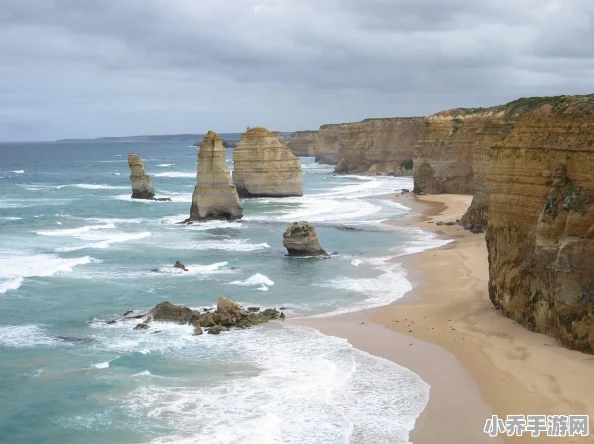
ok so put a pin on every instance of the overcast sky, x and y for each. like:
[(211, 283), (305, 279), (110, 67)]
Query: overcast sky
[(89, 68)]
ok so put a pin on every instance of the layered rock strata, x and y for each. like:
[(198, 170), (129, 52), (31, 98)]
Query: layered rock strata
[(264, 167), (300, 239), (540, 234), (303, 143), (328, 143), (142, 186), (214, 196), (379, 146)]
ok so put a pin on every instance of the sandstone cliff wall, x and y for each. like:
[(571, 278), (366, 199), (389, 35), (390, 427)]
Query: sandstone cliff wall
[(540, 235), (214, 197), (379, 146), (327, 144), (264, 167), (303, 143)]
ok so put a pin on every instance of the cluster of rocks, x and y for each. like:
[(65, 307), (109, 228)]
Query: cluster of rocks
[(228, 314), (476, 229)]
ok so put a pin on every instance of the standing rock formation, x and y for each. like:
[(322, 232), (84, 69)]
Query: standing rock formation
[(300, 239), (327, 144), (214, 197), (303, 143), (264, 167), (142, 187), (540, 235), (379, 146)]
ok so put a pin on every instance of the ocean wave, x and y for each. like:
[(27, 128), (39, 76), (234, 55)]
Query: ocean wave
[(90, 186), (165, 164), (256, 279), (200, 226), (228, 245), (14, 267), (18, 171), (104, 365), (175, 174), (215, 268), (26, 336), (422, 240), (302, 387), (104, 241), (9, 218), (175, 197), (74, 231)]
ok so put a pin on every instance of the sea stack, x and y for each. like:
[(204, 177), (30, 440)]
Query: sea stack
[(214, 197), (264, 167), (301, 239), (142, 187)]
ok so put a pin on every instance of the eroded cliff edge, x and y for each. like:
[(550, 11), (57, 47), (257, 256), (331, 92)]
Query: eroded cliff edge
[(540, 235), (327, 143), (303, 143), (379, 146)]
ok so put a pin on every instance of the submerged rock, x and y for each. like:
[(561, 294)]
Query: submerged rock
[(214, 196), (264, 167), (142, 187), (142, 326), (179, 265), (300, 239)]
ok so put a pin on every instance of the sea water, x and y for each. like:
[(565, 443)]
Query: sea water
[(76, 251)]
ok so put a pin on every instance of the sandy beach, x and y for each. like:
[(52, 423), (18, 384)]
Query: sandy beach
[(477, 362)]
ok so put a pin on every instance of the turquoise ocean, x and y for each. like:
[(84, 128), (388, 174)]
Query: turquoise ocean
[(76, 251)]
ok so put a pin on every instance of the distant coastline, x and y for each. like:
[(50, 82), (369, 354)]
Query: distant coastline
[(153, 138)]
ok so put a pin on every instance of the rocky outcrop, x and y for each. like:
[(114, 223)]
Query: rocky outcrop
[(264, 167), (379, 146), (300, 239), (179, 265), (540, 234), (214, 197), (303, 143), (142, 187), (229, 314), (328, 143)]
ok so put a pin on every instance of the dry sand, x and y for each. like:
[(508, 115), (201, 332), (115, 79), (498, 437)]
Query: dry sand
[(477, 362)]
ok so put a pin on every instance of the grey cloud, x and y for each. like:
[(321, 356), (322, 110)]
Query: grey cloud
[(151, 65)]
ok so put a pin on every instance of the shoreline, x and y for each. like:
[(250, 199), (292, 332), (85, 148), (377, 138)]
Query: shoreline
[(477, 362)]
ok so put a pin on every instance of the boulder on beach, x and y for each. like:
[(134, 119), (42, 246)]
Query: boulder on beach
[(300, 239)]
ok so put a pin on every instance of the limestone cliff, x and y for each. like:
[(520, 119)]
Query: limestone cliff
[(264, 167), (303, 143), (214, 197), (540, 235), (379, 146), (142, 187), (327, 144)]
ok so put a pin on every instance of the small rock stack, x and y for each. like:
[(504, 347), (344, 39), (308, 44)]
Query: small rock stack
[(142, 187), (300, 239)]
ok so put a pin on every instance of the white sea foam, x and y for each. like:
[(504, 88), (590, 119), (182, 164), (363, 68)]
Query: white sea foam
[(103, 365), (423, 240), (175, 197), (165, 164), (90, 186), (175, 174), (390, 284), (300, 387), (25, 336), (200, 226), (18, 171), (227, 245), (15, 266), (113, 220), (256, 279), (215, 268), (74, 231), (104, 241), (9, 218)]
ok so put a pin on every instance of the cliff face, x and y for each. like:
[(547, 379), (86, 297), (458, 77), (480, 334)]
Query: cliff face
[(327, 144), (142, 186), (379, 146), (444, 153), (303, 143), (264, 167), (540, 235), (214, 197)]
